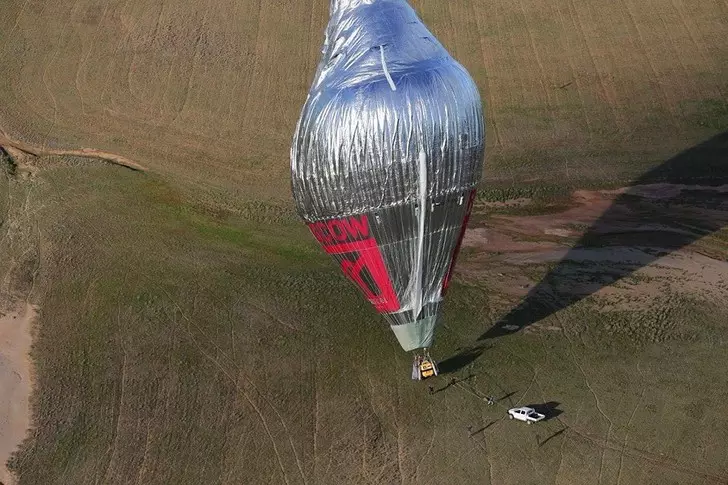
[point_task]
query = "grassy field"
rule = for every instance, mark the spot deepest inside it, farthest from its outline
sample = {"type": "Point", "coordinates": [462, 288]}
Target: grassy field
{"type": "Point", "coordinates": [190, 331]}
{"type": "Point", "coordinates": [178, 346]}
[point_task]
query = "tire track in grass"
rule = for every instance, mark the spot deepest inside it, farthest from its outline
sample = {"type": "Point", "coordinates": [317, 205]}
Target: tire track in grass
{"type": "Point", "coordinates": [598, 405]}
{"type": "Point", "coordinates": [50, 63]}
{"type": "Point", "coordinates": [669, 103]}
{"type": "Point", "coordinates": [270, 404]}
{"type": "Point", "coordinates": [234, 381]}
{"type": "Point", "coordinates": [84, 58]}
{"type": "Point", "coordinates": [317, 414]}
{"type": "Point", "coordinates": [254, 69]}
{"type": "Point", "coordinates": [676, 55]}
{"type": "Point", "coordinates": [629, 422]}
{"type": "Point", "coordinates": [245, 394]}
{"type": "Point", "coordinates": [143, 465]}
{"type": "Point", "coordinates": [655, 460]}
{"type": "Point", "coordinates": [699, 45]}
{"type": "Point", "coordinates": [575, 77]}
{"type": "Point", "coordinates": [400, 451]}
{"type": "Point", "coordinates": [117, 427]}
{"type": "Point", "coordinates": [193, 67]}
{"type": "Point", "coordinates": [543, 77]}
{"type": "Point", "coordinates": [121, 41]}
{"type": "Point", "coordinates": [576, 18]}
{"type": "Point", "coordinates": [487, 61]}
{"type": "Point", "coordinates": [17, 20]}
{"type": "Point", "coordinates": [429, 447]}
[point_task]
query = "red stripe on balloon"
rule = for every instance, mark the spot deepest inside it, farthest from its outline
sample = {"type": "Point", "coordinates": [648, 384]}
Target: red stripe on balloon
{"type": "Point", "coordinates": [336, 237]}
{"type": "Point", "coordinates": [468, 209]}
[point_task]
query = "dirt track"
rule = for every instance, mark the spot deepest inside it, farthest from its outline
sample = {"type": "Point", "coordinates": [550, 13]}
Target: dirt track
{"type": "Point", "coordinates": [26, 148]}
{"type": "Point", "coordinates": [15, 381]}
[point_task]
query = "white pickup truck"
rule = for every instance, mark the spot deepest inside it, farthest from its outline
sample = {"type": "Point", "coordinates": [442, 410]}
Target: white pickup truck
{"type": "Point", "coordinates": [526, 414]}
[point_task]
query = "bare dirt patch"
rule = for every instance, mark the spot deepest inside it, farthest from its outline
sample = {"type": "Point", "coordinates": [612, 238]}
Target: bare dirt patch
{"type": "Point", "coordinates": [15, 382]}
{"type": "Point", "coordinates": [508, 244]}
{"type": "Point", "coordinates": [586, 209]}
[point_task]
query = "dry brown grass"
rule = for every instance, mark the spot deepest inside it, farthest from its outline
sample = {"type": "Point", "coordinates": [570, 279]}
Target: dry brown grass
{"type": "Point", "coordinates": [210, 91]}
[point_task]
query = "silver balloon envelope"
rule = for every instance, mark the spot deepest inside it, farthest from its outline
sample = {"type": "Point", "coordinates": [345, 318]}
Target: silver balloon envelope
{"type": "Point", "coordinates": [386, 158]}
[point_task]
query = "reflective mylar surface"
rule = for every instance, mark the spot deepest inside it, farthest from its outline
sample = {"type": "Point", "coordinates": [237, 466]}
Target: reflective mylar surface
{"type": "Point", "coordinates": [386, 158]}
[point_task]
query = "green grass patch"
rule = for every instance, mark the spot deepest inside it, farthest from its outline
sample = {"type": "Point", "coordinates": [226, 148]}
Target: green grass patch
{"type": "Point", "coordinates": [172, 334]}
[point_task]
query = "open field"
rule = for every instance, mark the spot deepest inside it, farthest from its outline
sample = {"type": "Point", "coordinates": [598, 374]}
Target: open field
{"type": "Point", "coordinates": [209, 92]}
{"type": "Point", "coordinates": [177, 346]}
{"type": "Point", "coordinates": [189, 330]}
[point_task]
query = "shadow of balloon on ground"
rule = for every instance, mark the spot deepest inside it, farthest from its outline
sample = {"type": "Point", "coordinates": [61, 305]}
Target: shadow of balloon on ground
{"type": "Point", "coordinates": [638, 228]}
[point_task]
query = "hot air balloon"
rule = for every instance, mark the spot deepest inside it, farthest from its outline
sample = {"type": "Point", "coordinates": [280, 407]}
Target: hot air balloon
{"type": "Point", "coordinates": [385, 162]}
